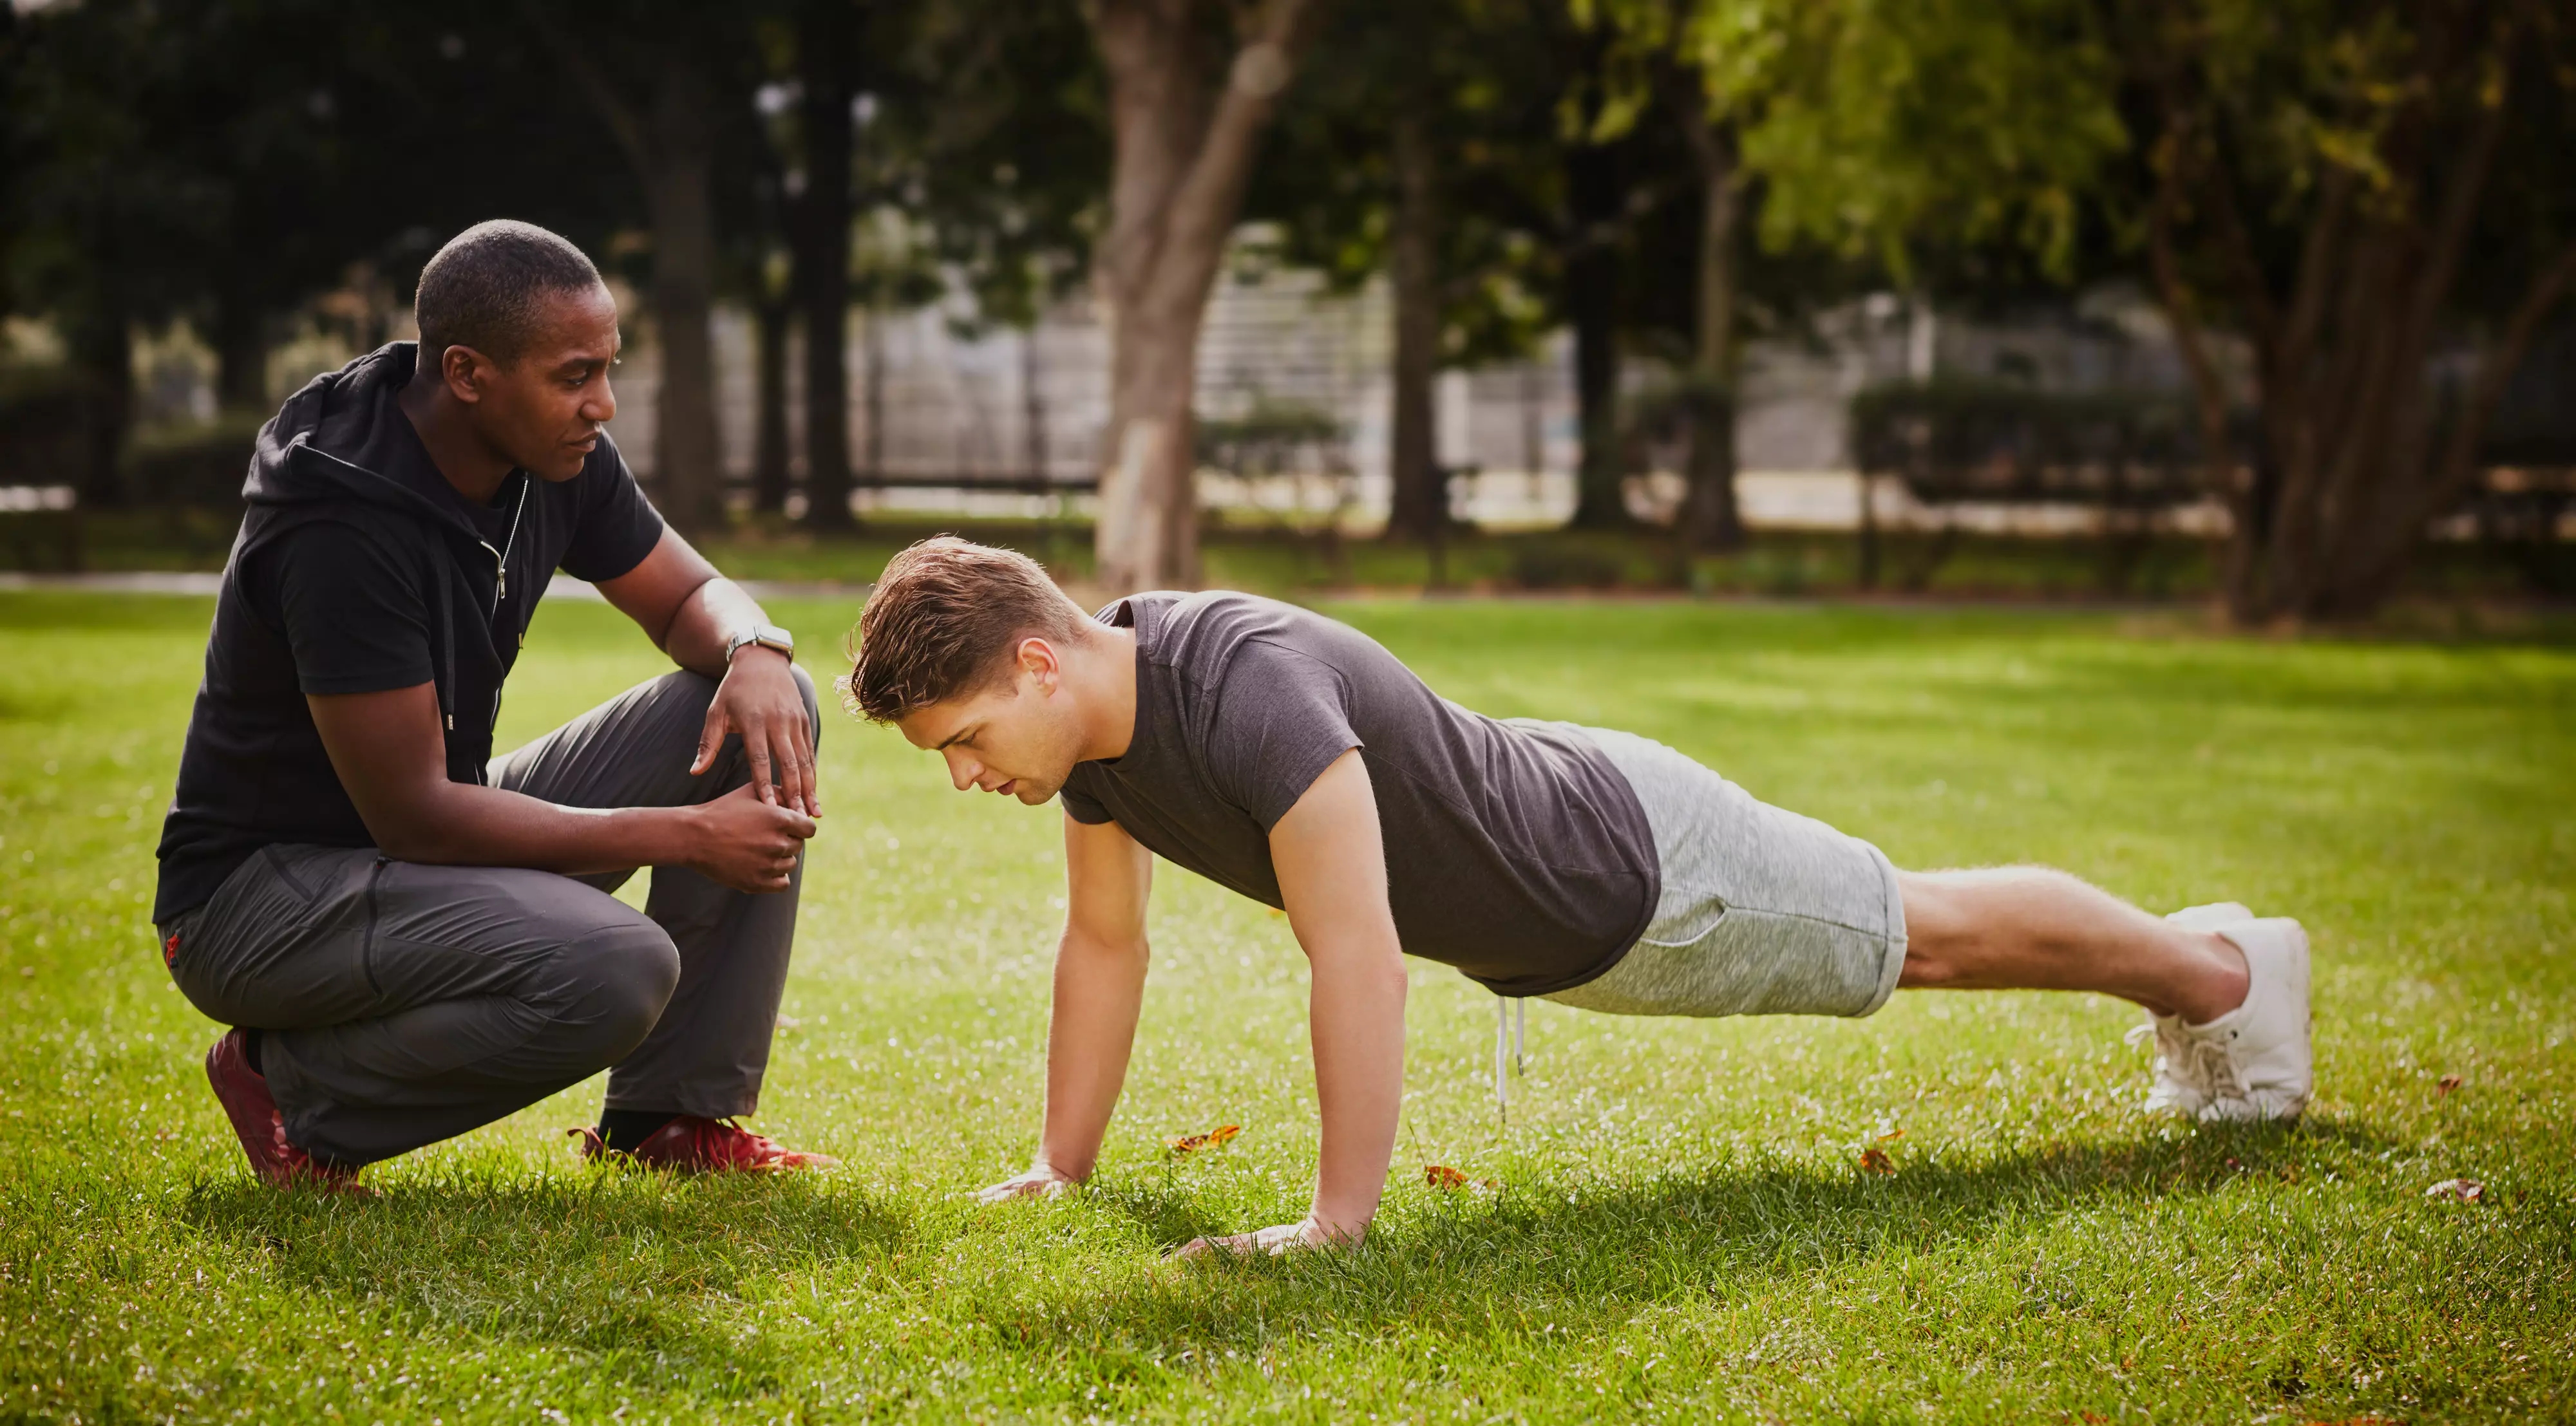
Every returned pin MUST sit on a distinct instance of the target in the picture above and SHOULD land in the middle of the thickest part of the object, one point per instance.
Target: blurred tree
(1183, 152)
(827, 63)
(1427, 150)
(765, 274)
(2311, 175)
(229, 163)
(664, 85)
(1603, 197)
(1016, 166)
(101, 230)
(1705, 66)
(769, 285)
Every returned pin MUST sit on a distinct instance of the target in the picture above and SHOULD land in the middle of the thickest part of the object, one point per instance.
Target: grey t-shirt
(1514, 850)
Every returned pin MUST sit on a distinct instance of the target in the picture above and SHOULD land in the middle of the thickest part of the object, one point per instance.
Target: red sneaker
(243, 1092)
(690, 1144)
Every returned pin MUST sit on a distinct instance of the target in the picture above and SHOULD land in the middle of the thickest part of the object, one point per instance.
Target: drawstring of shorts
(1511, 1027)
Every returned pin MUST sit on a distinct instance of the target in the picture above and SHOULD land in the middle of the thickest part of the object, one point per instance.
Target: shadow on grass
(648, 1275)
(1532, 1256)
(637, 1269)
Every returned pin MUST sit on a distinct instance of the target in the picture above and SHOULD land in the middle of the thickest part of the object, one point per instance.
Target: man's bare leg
(2031, 928)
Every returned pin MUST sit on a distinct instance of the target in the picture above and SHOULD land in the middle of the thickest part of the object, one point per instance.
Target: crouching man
(1294, 760)
(410, 937)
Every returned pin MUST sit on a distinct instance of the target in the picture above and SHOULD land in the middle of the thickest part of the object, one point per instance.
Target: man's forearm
(465, 825)
(1099, 991)
(1358, 1029)
(706, 622)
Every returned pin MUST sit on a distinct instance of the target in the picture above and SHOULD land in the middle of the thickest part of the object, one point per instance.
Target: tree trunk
(1710, 518)
(822, 259)
(670, 148)
(1183, 155)
(1592, 298)
(687, 458)
(2356, 448)
(1148, 525)
(771, 317)
(1420, 508)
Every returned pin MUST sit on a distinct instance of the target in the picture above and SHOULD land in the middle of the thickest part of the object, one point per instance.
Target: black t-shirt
(360, 569)
(1514, 850)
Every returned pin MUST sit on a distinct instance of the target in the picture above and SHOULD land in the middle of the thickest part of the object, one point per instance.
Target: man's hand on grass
(1038, 1181)
(1306, 1233)
(760, 701)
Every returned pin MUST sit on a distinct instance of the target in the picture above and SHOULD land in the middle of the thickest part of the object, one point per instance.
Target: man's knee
(617, 978)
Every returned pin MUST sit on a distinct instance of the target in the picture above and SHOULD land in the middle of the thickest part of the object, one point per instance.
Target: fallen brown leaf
(1876, 1161)
(2449, 1082)
(1213, 1138)
(1443, 1176)
(2458, 1190)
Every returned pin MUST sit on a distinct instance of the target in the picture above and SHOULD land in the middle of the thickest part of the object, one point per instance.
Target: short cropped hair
(486, 288)
(943, 621)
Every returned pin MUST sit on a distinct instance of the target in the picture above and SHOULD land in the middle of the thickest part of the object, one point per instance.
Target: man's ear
(1038, 659)
(464, 370)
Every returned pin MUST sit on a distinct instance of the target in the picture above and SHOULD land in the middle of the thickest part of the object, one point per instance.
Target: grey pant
(405, 1003)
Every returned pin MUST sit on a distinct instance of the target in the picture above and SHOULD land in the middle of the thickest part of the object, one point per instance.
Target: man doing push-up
(1294, 760)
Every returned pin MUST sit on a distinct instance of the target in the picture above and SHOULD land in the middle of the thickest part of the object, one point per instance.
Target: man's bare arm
(1331, 861)
(1099, 990)
(691, 613)
(391, 756)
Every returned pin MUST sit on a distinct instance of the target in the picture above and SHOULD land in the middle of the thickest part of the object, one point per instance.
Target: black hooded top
(359, 569)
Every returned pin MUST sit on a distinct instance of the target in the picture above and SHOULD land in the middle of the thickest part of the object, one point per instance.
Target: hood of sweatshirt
(345, 437)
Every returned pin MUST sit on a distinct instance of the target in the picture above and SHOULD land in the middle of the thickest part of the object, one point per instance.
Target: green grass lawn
(1678, 1227)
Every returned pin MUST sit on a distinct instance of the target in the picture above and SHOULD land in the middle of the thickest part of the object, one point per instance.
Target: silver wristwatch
(768, 636)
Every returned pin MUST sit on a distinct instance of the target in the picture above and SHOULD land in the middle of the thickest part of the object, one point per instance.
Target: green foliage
(1483, 78)
(1958, 120)
(1005, 107)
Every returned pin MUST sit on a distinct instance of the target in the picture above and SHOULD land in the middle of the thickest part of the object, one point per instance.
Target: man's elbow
(1355, 961)
(413, 834)
(405, 844)
(1086, 948)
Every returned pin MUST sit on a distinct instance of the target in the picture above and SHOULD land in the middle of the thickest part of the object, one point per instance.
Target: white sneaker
(2252, 1062)
(2212, 916)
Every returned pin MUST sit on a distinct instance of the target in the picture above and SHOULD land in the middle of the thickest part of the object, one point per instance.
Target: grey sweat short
(1764, 912)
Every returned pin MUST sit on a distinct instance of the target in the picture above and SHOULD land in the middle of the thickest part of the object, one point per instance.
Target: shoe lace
(2202, 1063)
(2211, 1066)
(730, 1133)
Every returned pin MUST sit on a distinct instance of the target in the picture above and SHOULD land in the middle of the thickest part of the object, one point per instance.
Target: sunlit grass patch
(1672, 1219)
